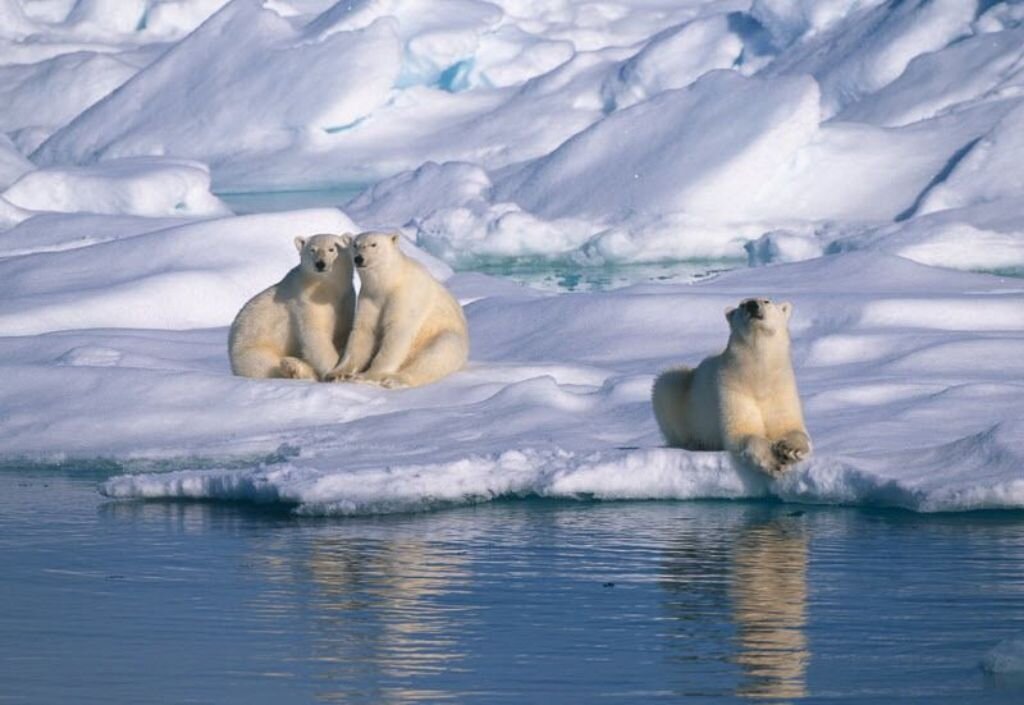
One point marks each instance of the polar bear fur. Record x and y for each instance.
(744, 400)
(298, 327)
(409, 330)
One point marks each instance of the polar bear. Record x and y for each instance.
(409, 330)
(745, 399)
(298, 327)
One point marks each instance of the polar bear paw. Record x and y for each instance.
(791, 449)
(340, 374)
(388, 381)
(294, 368)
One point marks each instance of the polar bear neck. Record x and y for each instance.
(760, 351)
(339, 280)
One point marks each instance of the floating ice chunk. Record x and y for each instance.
(653, 473)
(1005, 657)
(140, 186)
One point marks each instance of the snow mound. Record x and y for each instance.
(677, 152)
(140, 186)
(203, 100)
(12, 164)
(79, 78)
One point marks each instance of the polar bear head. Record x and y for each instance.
(374, 251)
(758, 317)
(322, 254)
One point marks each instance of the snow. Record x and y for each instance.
(137, 186)
(862, 157)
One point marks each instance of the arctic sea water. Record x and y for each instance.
(522, 601)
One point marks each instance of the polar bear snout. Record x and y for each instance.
(320, 265)
(358, 259)
(754, 308)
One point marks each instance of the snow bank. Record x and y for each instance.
(166, 279)
(677, 152)
(149, 187)
(203, 98)
(909, 375)
(41, 97)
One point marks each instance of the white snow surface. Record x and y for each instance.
(135, 186)
(865, 158)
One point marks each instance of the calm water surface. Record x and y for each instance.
(513, 602)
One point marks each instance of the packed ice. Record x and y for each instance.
(863, 159)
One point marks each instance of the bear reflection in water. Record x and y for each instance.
(751, 579)
(769, 599)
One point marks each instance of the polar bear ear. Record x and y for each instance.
(300, 242)
(787, 308)
(395, 236)
(346, 239)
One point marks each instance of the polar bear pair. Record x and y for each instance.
(745, 399)
(404, 330)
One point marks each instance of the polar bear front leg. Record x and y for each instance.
(360, 344)
(792, 448)
(743, 432)
(316, 333)
(395, 346)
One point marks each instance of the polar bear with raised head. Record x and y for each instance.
(743, 400)
(409, 330)
(298, 328)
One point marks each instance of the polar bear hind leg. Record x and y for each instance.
(442, 356)
(295, 368)
(670, 395)
(256, 362)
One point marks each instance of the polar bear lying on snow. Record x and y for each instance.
(745, 399)
(298, 327)
(408, 329)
